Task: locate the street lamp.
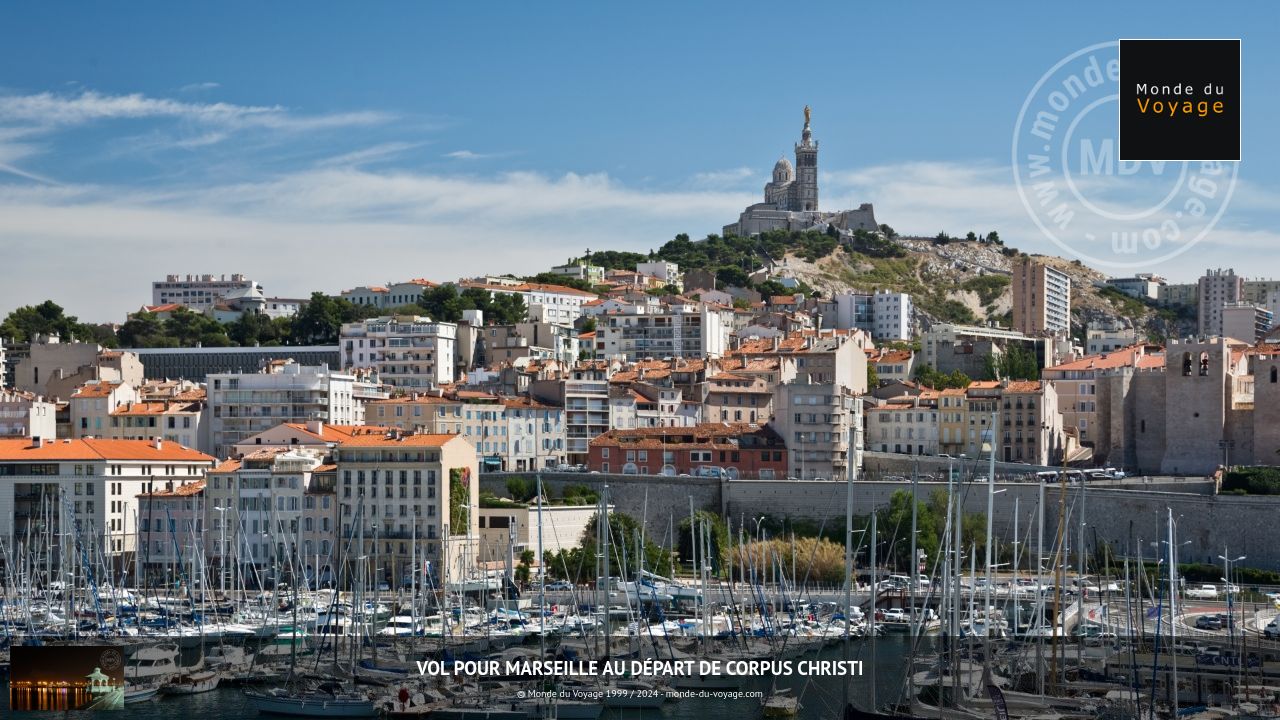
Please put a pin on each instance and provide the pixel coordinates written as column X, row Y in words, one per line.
column 1226, row 570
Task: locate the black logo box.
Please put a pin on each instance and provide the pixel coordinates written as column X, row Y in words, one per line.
column 1187, row 69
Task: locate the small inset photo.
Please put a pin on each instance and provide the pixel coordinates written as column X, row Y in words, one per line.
column 66, row 677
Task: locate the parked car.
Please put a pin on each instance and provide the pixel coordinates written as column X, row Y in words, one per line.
column 1204, row 592
column 1208, row 622
column 559, row 585
column 895, row 615
column 1272, row 630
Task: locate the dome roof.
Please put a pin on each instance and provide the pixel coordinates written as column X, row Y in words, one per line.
column 782, row 164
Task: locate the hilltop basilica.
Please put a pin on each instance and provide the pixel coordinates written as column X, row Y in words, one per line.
column 791, row 198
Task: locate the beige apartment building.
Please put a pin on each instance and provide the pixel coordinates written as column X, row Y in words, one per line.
column 1041, row 298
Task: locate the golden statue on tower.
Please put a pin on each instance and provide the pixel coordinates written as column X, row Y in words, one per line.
column 806, row 114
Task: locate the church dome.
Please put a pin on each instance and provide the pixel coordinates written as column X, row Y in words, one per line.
column 782, row 171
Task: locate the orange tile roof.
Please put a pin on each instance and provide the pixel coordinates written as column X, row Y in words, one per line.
column 397, row 440
column 166, row 307
column 98, row 449
column 227, row 466
column 1124, row 357
column 95, row 390
column 324, row 468
column 894, row 356
column 1023, row 386
column 340, row 433
column 183, row 490
column 704, row 434
column 154, row 408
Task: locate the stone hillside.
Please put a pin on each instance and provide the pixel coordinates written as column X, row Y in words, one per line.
column 968, row 282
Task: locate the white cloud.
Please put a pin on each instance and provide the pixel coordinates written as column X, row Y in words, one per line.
column 365, row 156
column 469, row 155
column 733, row 179
column 51, row 110
column 198, row 87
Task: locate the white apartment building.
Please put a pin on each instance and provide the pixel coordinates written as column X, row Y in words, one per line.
column 1101, row 338
column 90, row 484
column 24, row 414
column 584, row 395
column 906, row 425
column 667, row 272
column 391, row 295
column 692, row 330
column 255, row 511
column 245, row 404
column 508, row 433
column 580, row 270
column 405, row 351
column 198, row 292
column 891, row 313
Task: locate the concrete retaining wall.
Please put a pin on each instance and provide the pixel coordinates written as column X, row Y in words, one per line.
column 1123, row 515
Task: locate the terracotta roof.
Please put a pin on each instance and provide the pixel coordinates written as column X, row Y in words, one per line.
column 397, row 440
column 324, row 468
column 984, row 385
column 226, row 466
column 341, row 433
column 183, row 490
column 420, row 281
column 530, row 287
column 1023, row 386
column 166, row 307
column 524, row 402
column 95, row 390
column 409, row 398
column 782, row 300
column 1124, row 357
column 153, row 408
column 703, row 435
column 98, row 449
column 894, row 356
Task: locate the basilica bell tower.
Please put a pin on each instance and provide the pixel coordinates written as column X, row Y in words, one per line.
column 806, row 182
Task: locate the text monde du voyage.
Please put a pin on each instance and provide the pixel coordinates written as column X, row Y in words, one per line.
column 1180, row 99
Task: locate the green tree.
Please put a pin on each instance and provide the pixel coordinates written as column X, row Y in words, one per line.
column 719, row 540
column 894, row 527
column 188, row 328
column 47, row 318
column 1015, row 363
column 550, row 278
column 926, row 375
column 320, row 321
column 521, row 488
column 873, row 377
column 442, row 303
column 459, row 500
column 578, row 564
column 141, row 330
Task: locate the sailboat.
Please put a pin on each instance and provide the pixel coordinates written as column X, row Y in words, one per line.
column 192, row 683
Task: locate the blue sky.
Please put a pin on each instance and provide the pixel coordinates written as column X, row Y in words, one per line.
column 323, row 146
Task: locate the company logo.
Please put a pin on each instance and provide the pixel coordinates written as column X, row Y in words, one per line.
column 1109, row 212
